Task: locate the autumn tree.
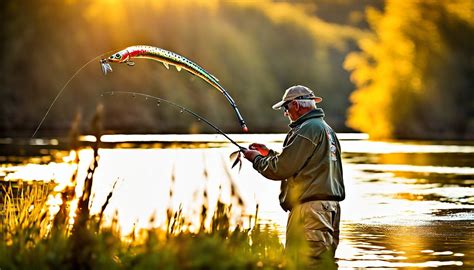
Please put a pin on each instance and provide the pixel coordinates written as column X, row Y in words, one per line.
column 414, row 76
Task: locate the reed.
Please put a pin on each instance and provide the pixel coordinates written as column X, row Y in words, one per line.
column 24, row 212
column 218, row 246
column 31, row 237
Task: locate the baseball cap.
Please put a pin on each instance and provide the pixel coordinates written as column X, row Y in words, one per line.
column 296, row 92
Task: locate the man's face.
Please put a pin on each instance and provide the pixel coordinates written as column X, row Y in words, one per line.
column 291, row 110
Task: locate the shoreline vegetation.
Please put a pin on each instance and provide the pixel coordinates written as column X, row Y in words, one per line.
column 32, row 237
column 36, row 235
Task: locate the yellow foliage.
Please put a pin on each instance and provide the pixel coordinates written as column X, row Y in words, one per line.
column 462, row 8
column 394, row 73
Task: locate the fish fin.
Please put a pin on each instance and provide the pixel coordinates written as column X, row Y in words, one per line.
column 130, row 63
column 166, row 65
column 178, row 68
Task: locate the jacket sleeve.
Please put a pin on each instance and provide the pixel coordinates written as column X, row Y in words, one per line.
column 286, row 164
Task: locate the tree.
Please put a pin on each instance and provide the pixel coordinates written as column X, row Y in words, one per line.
column 256, row 49
column 414, row 76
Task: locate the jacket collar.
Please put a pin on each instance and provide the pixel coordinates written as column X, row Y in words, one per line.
column 316, row 113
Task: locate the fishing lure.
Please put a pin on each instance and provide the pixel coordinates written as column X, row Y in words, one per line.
column 169, row 58
column 236, row 156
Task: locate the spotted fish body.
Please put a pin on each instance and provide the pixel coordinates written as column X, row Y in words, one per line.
column 169, row 58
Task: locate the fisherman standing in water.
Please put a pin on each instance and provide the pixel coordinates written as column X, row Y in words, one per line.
column 310, row 170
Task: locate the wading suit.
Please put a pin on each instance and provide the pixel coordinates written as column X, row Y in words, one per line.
column 310, row 169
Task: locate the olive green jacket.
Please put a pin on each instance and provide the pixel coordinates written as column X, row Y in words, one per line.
column 309, row 165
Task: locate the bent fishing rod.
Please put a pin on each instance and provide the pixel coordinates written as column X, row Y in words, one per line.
column 158, row 54
column 183, row 109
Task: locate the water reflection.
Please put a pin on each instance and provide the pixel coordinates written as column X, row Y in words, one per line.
column 408, row 204
column 409, row 246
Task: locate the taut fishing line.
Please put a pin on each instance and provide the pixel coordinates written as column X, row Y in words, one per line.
column 182, row 109
column 64, row 87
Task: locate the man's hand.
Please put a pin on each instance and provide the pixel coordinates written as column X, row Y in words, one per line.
column 262, row 148
column 251, row 154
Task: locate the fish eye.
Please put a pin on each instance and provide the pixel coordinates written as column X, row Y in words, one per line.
column 117, row 55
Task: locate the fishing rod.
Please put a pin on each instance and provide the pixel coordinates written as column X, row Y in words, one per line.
column 183, row 109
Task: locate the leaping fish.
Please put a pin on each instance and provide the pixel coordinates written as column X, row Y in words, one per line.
column 168, row 58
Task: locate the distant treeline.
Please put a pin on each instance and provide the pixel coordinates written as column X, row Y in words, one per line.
column 256, row 48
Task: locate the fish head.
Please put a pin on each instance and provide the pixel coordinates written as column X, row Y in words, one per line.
column 119, row 57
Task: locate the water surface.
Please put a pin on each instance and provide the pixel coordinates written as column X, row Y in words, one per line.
column 409, row 204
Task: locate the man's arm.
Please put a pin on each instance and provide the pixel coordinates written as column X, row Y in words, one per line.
column 281, row 166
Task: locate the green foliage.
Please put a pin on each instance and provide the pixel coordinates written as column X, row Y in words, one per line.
column 256, row 48
column 414, row 77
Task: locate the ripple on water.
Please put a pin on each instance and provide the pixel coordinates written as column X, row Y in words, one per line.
column 441, row 243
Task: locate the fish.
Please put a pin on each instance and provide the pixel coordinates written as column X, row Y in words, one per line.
column 169, row 58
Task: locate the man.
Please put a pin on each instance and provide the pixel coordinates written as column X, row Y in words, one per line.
column 310, row 170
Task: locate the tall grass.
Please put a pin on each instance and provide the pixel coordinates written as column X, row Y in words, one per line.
column 31, row 237
column 38, row 243
column 24, row 213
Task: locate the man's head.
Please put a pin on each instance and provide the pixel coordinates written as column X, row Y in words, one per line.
column 297, row 101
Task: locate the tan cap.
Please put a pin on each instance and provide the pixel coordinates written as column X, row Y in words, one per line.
column 296, row 92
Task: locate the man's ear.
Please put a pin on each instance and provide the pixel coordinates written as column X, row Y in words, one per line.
column 296, row 104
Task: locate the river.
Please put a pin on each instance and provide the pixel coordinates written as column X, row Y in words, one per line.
column 409, row 204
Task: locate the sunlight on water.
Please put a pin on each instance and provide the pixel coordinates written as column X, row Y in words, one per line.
column 405, row 147
column 277, row 137
column 411, row 168
column 408, row 204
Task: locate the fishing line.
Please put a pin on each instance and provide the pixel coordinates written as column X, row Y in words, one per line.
column 182, row 109
column 168, row 58
column 64, row 87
